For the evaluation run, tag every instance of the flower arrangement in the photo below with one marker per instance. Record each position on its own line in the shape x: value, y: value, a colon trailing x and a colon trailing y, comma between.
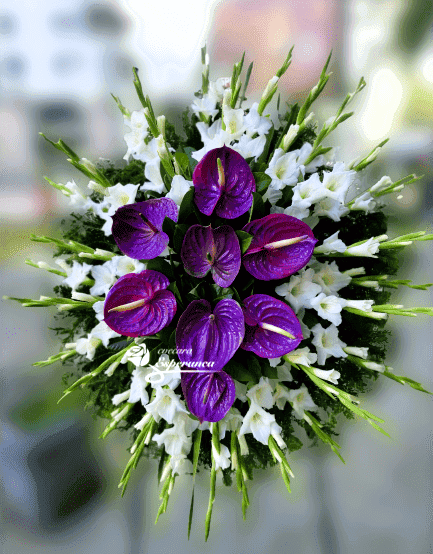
x: 226, y: 283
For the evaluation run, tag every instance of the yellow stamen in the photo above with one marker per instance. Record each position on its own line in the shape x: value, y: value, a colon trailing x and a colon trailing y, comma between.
x: 278, y: 330
x: 285, y: 242
x: 130, y: 306
x: 221, y: 176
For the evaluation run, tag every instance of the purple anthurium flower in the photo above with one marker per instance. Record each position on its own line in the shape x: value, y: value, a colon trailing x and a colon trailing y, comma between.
x: 137, y: 228
x: 218, y: 250
x: 209, y: 396
x: 281, y: 245
x: 209, y: 340
x: 271, y: 327
x: 223, y: 183
x: 138, y: 305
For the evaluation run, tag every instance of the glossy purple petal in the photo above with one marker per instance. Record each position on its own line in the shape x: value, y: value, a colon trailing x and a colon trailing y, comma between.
x: 265, y: 261
x: 209, y: 396
x: 218, y: 250
x: 137, y: 228
x: 156, y: 313
x: 203, y: 336
x: 230, y: 199
x: 262, y: 309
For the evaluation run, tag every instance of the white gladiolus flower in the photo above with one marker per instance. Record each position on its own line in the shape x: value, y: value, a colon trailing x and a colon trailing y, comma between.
x: 98, y: 307
x: 359, y: 351
x: 296, y: 210
x: 179, y: 187
x: 75, y: 274
x: 330, y: 207
x: 309, y: 191
x: 338, y: 181
x: 222, y: 460
x: 180, y: 464
x: 329, y: 307
x: 88, y: 346
x: 367, y: 249
x: 327, y: 343
x: 331, y: 244
x: 205, y: 105
x: 302, y: 356
x: 283, y: 372
x: 364, y: 305
x: 124, y: 265
x: 165, y: 404
x: 300, y: 289
x: 383, y: 184
x: 301, y: 400
x: 261, y: 393
x: 77, y: 198
x: 255, y: 123
x: 250, y: 148
x: 329, y: 277
x: 364, y: 202
x: 119, y: 398
x: 231, y: 422
x: 185, y: 422
x: 120, y: 195
x: 138, y: 390
x: 103, y: 332
x: 105, y: 276
x: 234, y: 122
x: 303, y: 155
x: 284, y: 169
x: 175, y: 441
x: 153, y: 174
x: 328, y: 375
x: 218, y: 87
x: 258, y: 422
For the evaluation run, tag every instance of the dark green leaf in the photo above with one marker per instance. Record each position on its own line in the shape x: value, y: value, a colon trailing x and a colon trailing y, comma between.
x: 192, y: 161
x: 262, y: 181
x: 244, y: 240
x: 179, y: 234
x: 258, y: 207
x: 159, y: 264
x: 187, y: 205
x: 168, y: 226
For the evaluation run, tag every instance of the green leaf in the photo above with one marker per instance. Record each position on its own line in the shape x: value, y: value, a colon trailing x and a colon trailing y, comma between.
x: 191, y: 160
x: 183, y: 162
x: 262, y: 181
x: 246, y: 370
x: 159, y: 264
x: 270, y: 372
x: 173, y: 288
x: 219, y: 293
x: 168, y: 226
x: 244, y: 240
x: 187, y: 205
x: 179, y: 234
x: 196, y: 293
x: 405, y: 380
x: 258, y: 207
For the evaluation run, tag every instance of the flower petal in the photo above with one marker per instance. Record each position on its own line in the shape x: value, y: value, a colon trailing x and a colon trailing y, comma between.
x: 218, y: 249
x: 203, y: 336
x: 261, y: 309
x: 229, y: 195
x: 209, y: 396
x: 267, y: 257
x: 137, y: 228
x: 152, y: 315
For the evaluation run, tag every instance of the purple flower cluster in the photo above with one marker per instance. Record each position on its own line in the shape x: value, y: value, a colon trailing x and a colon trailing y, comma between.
x: 140, y: 305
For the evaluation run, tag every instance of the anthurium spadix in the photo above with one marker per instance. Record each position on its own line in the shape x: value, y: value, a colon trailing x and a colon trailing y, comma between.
x: 137, y: 228
x: 209, y: 396
x: 271, y: 327
x: 281, y: 245
x: 207, y: 339
x: 223, y: 184
x: 217, y: 250
x: 138, y: 304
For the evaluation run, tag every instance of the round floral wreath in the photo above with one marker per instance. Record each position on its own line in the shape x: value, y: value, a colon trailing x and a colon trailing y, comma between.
x: 216, y: 284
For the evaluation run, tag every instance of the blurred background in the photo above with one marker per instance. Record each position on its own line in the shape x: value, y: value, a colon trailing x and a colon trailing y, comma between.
x: 60, y: 61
